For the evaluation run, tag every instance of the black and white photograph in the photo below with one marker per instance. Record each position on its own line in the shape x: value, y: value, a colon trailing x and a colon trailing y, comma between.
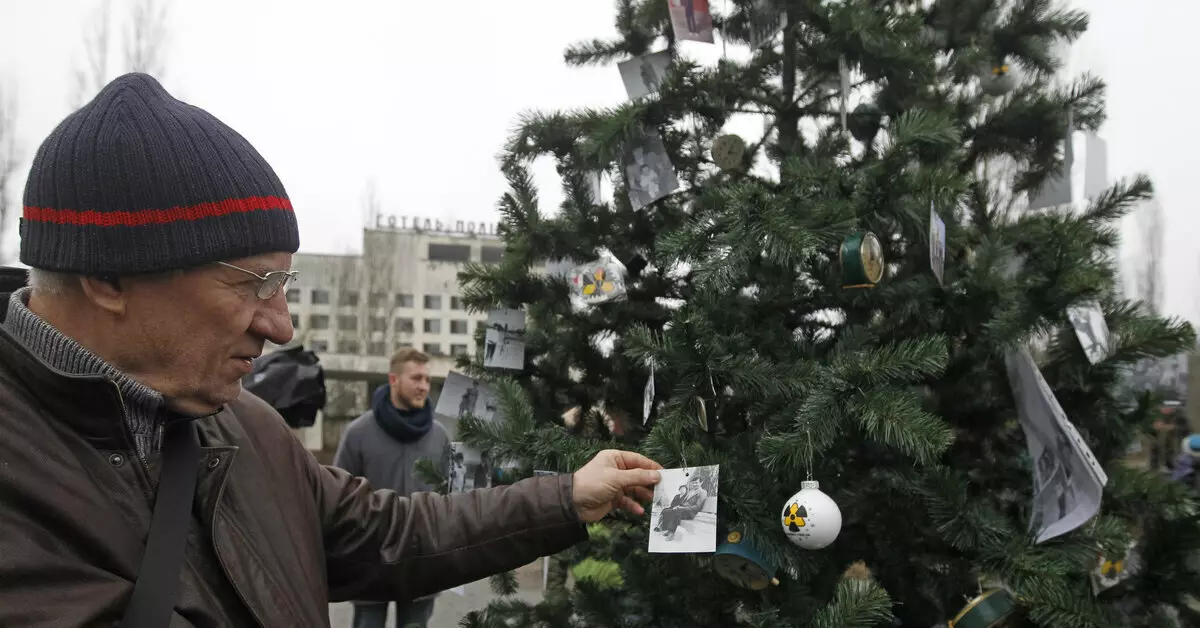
x: 504, y: 341
x: 1091, y: 329
x: 462, y: 395
x: 683, y: 519
x: 691, y: 20
x: 649, y: 174
x: 469, y: 469
x: 642, y: 75
x: 1068, y: 481
x: 937, y: 243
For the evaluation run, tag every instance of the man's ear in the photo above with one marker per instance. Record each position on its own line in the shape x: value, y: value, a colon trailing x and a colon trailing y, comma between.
x: 106, y: 294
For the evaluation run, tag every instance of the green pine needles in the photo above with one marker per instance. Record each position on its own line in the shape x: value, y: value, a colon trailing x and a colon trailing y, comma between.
x: 895, y: 397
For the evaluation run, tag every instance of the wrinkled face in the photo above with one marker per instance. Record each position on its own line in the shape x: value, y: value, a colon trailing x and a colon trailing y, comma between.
x: 410, y: 387
x: 192, y: 335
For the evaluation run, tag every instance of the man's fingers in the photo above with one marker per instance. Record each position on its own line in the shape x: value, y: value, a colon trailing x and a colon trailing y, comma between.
x: 633, y: 460
x: 627, y: 504
x: 637, y: 477
x: 640, y: 493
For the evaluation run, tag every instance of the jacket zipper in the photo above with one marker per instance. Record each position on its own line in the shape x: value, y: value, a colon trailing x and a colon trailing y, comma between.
x: 141, y: 456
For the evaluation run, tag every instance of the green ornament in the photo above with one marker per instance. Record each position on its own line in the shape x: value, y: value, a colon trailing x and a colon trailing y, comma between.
x: 992, y: 609
x: 862, y: 260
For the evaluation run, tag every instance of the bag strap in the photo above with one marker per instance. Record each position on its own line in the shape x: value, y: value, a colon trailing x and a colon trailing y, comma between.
x: 157, y: 586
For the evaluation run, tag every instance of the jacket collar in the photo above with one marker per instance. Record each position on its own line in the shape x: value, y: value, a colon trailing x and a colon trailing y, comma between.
x: 90, y: 404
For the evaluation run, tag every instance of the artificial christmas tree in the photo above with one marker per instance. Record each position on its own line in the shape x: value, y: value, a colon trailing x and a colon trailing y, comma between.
x: 852, y: 316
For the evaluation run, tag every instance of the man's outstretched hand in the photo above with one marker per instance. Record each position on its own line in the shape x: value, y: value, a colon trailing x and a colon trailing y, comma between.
x: 614, y: 479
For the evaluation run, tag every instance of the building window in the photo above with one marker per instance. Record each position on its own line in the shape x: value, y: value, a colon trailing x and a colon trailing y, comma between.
x: 432, y: 348
x: 318, y: 321
x: 349, y: 297
x: 295, y: 321
x: 458, y: 350
x: 404, y: 300
x: 377, y: 348
x: 377, y: 299
x: 348, y: 323
x: 403, y: 345
x: 433, y: 302
x: 404, y: 325
x: 348, y: 347
x: 458, y: 327
x: 433, y: 326
x: 449, y: 252
x: 319, y: 346
x: 490, y: 254
x: 377, y: 323
x: 480, y: 325
x: 456, y: 303
x: 293, y: 295
x: 319, y: 297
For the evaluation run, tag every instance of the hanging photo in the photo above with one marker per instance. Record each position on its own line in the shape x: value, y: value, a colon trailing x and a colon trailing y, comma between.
x: 504, y: 341
x: 1057, y: 188
x: 469, y: 469
x: 691, y: 20
x: 683, y: 519
x: 648, y: 397
x: 649, y: 174
x: 600, y: 281
x: 462, y: 395
x: 1068, y: 481
x: 1091, y: 329
x: 766, y: 20
x: 937, y: 243
x: 595, y: 181
x: 642, y: 75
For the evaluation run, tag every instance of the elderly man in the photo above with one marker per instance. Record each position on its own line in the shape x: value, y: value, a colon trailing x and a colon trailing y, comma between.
x: 160, y: 243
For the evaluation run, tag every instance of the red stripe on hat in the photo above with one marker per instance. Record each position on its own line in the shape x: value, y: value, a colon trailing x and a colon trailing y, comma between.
x: 156, y: 216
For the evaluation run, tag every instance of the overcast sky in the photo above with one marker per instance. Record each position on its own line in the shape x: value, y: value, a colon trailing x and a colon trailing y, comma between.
x: 419, y: 96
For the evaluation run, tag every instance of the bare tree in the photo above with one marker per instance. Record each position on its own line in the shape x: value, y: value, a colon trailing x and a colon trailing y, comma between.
x: 1151, y: 225
x: 10, y: 157
x: 144, y: 46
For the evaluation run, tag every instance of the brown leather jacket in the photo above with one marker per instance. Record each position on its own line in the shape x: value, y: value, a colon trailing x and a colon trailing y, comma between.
x: 288, y: 534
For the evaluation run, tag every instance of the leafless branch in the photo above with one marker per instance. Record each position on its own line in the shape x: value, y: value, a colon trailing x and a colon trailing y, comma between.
x: 1151, y: 224
x: 10, y: 157
x: 145, y: 38
x: 143, y: 42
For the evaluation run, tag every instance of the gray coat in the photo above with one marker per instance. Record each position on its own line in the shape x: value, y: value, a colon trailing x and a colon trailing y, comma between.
x: 368, y: 451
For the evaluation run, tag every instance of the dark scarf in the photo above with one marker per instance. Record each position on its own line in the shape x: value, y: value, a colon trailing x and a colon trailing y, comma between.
x: 405, y: 426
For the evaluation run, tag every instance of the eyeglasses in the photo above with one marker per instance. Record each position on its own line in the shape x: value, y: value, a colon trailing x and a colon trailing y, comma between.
x: 272, y: 282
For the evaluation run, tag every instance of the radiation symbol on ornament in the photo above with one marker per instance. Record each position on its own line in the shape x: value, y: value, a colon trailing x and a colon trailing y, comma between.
x: 793, y: 516
x: 1112, y: 568
x: 596, y: 282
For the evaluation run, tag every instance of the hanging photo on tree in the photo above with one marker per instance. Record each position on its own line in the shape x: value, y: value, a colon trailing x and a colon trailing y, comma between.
x: 469, y: 469
x: 683, y: 519
x: 1068, y: 481
x: 649, y: 174
x: 462, y: 395
x: 691, y: 20
x: 642, y: 75
x: 937, y: 243
x: 504, y: 341
x: 1090, y: 327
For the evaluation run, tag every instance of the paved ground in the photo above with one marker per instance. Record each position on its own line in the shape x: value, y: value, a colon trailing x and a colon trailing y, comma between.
x: 451, y: 607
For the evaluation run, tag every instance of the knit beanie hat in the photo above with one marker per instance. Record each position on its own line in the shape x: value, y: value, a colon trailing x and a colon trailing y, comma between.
x: 139, y: 182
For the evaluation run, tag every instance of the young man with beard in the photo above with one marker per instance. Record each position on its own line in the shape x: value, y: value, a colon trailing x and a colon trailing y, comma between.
x: 383, y: 446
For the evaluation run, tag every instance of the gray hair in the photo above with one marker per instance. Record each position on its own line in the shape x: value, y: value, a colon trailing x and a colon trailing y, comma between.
x: 49, y: 282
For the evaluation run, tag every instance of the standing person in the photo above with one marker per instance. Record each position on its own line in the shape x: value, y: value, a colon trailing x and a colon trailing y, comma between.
x: 383, y: 446
x: 160, y: 244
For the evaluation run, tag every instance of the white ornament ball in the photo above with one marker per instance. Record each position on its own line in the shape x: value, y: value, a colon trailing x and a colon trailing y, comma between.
x: 811, y: 519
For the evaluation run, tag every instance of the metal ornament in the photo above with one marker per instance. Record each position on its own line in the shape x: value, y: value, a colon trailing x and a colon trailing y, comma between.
x: 728, y: 152
x: 742, y: 564
x: 990, y: 610
x: 861, y: 257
